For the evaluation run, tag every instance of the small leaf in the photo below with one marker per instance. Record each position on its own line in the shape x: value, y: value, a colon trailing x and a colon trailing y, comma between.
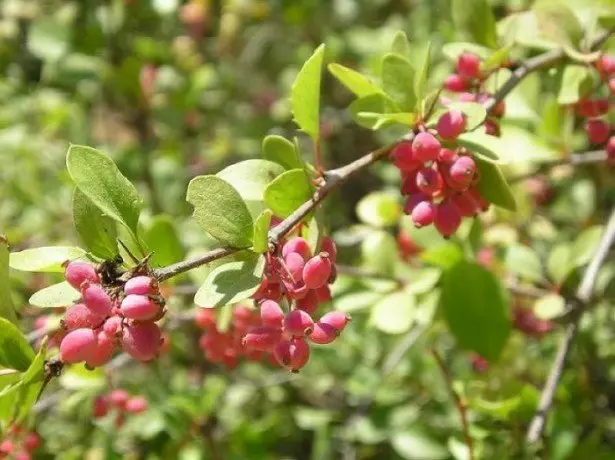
x: 261, y: 230
x: 559, y: 262
x: 493, y: 186
x: 476, y: 18
x: 575, y: 82
x: 414, y: 445
x: 400, y: 44
x: 356, y: 82
x: 394, y: 314
x: 7, y: 309
x: 313, y: 232
x: 220, y: 211
x: 366, y: 110
x: 282, y: 151
x: 232, y: 282
x: 584, y: 246
x: 445, y: 254
x: 475, y: 310
x: 45, y: 259
x: 305, y: 94
x: 48, y: 39
x: 97, y: 231
x: 15, y: 352
x: 397, y: 80
x: 379, y: 252
x: 496, y: 59
x: 550, y: 306
x: 379, y: 209
x: 161, y: 235
x: 380, y: 120
x: 482, y: 145
x: 56, y: 295
x: 97, y: 176
x: 287, y: 192
x: 524, y: 262
x: 422, y: 74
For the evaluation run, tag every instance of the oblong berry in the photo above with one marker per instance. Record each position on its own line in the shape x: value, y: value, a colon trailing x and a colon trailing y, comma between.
x: 316, y: 271
x: 403, y: 157
x: 462, y: 172
x: 119, y: 397
x: 336, y: 319
x: 423, y: 214
x: 610, y: 149
x: 205, y: 318
x: 136, y: 405
x: 413, y: 200
x: 408, y: 183
x: 96, y: 298
x: 425, y: 147
x: 597, y: 131
x: 468, y: 65
x: 455, y: 83
x: 309, y: 303
x: 429, y: 181
x: 140, y: 285
x: 323, y: 333
x: 295, y: 263
x: 113, y: 326
x: 272, y: 314
x: 78, y: 316
x: 447, y: 218
x: 101, y: 406
x: 77, y: 272
x: 466, y: 204
x: 78, y: 345
x: 606, y: 64
x: 292, y: 354
x: 31, y: 442
x: 328, y: 245
x: 141, y: 341
x: 261, y: 338
x: 298, y: 245
x: 139, y: 307
x: 298, y: 323
x: 451, y: 124
x: 102, y: 354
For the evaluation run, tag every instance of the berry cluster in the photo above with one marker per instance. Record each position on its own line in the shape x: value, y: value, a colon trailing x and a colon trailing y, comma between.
x: 526, y: 321
x: 122, y: 402
x: 19, y: 444
x: 109, y: 317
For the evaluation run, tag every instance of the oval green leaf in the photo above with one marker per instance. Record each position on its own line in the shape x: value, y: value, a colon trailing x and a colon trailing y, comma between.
x: 97, y: 231
x: 45, y: 259
x: 493, y: 186
x: 57, y: 295
x: 282, y: 151
x: 287, y: 192
x: 305, y: 94
x: 15, y: 352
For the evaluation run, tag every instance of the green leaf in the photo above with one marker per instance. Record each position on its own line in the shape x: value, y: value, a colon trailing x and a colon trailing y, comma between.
x: 496, y: 59
x: 584, y: 246
x: 550, y: 306
x: 575, y: 82
x: 397, y: 80
x: 523, y: 261
x: 394, y: 314
x: 57, y: 295
x: 232, y: 282
x: 15, y: 352
x: 250, y: 178
x: 380, y: 209
x: 357, y: 301
x: 475, y: 310
x: 97, y: 176
x: 78, y: 377
x: 380, y: 120
x: 521, y: 146
x: 379, y: 252
x: 261, y: 230
x: 161, y: 235
x: 305, y: 94
x: 493, y: 186
x: 476, y: 18
x: 415, y: 445
x: 282, y: 151
x: 45, y: 259
x: 455, y: 49
x: 97, y: 231
x: 482, y: 145
x: 445, y: 254
x: 422, y: 74
x: 557, y: 22
x: 356, y: 82
x: 366, y: 110
x: 400, y: 44
x: 287, y: 192
x: 7, y: 309
x: 313, y: 232
x: 559, y: 262
x: 48, y: 39
x: 220, y: 211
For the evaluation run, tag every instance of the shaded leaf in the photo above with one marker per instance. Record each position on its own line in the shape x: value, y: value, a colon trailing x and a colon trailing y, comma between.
x: 261, y: 230
x: 575, y: 81
x: 398, y: 81
x: 482, y: 145
x: 162, y: 236
x: 282, y: 151
x: 97, y: 231
x: 493, y: 186
x: 476, y: 18
x: 524, y: 262
x: 15, y: 352
x: 7, y: 309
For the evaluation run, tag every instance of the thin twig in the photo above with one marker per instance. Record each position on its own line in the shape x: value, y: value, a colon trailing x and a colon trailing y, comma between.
x: 577, y: 303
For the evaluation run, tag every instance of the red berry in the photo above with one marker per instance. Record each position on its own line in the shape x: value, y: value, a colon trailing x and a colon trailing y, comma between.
x: 446, y: 156
x: 455, y: 83
x: 597, y: 131
x: 451, y: 124
x: 119, y: 398
x: 403, y: 157
x: 136, y: 405
x: 205, y: 318
x: 298, y: 323
x: 413, y: 200
x: 611, y: 85
x: 462, y: 172
x: 323, y: 294
x: 6, y: 447
x: 468, y: 65
x: 479, y: 364
x: 31, y: 442
x: 261, y: 338
x: 592, y: 107
x: 316, y: 271
x: 425, y: 146
x: 292, y: 354
x: 103, y: 352
x: 96, y: 298
x: 447, y: 218
x: 140, y: 285
x: 78, y: 316
x: 309, y: 303
x: 141, y: 341
x: 610, y: 149
x: 78, y: 345
x: 101, y: 406
x: 480, y: 201
x: 328, y: 246
x: 77, y: 272
x: 336, y: 319
x: 272, y: 314
x: 408, y: 184
x: 139, y: 307
x: 323, y: 333
x: 492, y: 128
x: 423, y: 214
x: 466, y: 204
x: 295, y: 263
x: 113, y: 326
x: 429, y: 181
x: 297, y: 245
x: 606, y: 64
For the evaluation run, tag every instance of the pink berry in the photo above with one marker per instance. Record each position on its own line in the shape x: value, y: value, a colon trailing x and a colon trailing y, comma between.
x: 261, y: 338
x: 592, y: 107
x: 403, y: 157
x: 462, y: 172
x: 6, y: 447
x: 76, y: 273
x: 272, y: 314
x: 323, y: 294
x: 205, y: 318
x: 423, y: 214
x: 447, y: 218
x: 316, y: 271
x: 451, y: 124
x: 606, y: 64
x: 119, y: 398
x: 413, y: 200
x: 468, y: 65
x: 611, y: 85
x: 299, y: 246
x: 467, y: 97
x: 429, y: 181
x: 323, y: 333
x: 102, y: 354
x: 141, y: 341
x: 136, y: 405
x: 23, y: 456
x: 96, y: 298
x: 101, y: 406
x: 309, y: 303
x: 328, y: 246
x: 292, y: 354
x: 597, y: 131
x: 466, y: 204
x: 610, y: 149
x: 483, y: 204
x: 140, y: 285
x: 31, y: 442
x: 425, y: 146
x: 455, y: 83
x: 295, y: 263
x: 139, y: 307
x: 41, y: 322
x: 113, y: 326
x: 446, y: 156
x: 298, y: 323
x: 336, y: 319
x: 78, y: 345
x: 78, y: 316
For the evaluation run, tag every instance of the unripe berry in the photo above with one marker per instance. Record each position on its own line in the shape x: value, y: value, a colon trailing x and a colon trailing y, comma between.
x: 272, y: 314
x: 295, y: 263
x: 423, y: 214
x: 455, y: 83
x: 413, y: 200
x: 78, y: 316
x: 78, y: 345
x: 323, y: 333
x: 446, y: 156
x: 139, y: 307
x: 451, y: 124
x: 404, y: 158
x: 309, y: 303
x: 205, y: 318
x: 101, y: 406
x: 606, y: 64
x: 113, y: 326
x: 425, y: 146
x: 140, y: 285
x: 31, y: 442
x: 466, y: 204
x: 136, y: 405
x: 298, y: 323
x: 119, y: 398
x: 141, y: 341
x: 96, y: 298
x: 336, y: 319
x: 261, y: 338
x: 447, y: 218
x: 592, y: 107
x: 292, y: 354
x: 597, y: 131
x: 328, y: 246
x: 299, y: 246
x: 76, y: 273
x: 429, y: 181
x: 103, y: 352
x: 468, y: 65
x: 316, y: 271
x: 462, y: 172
